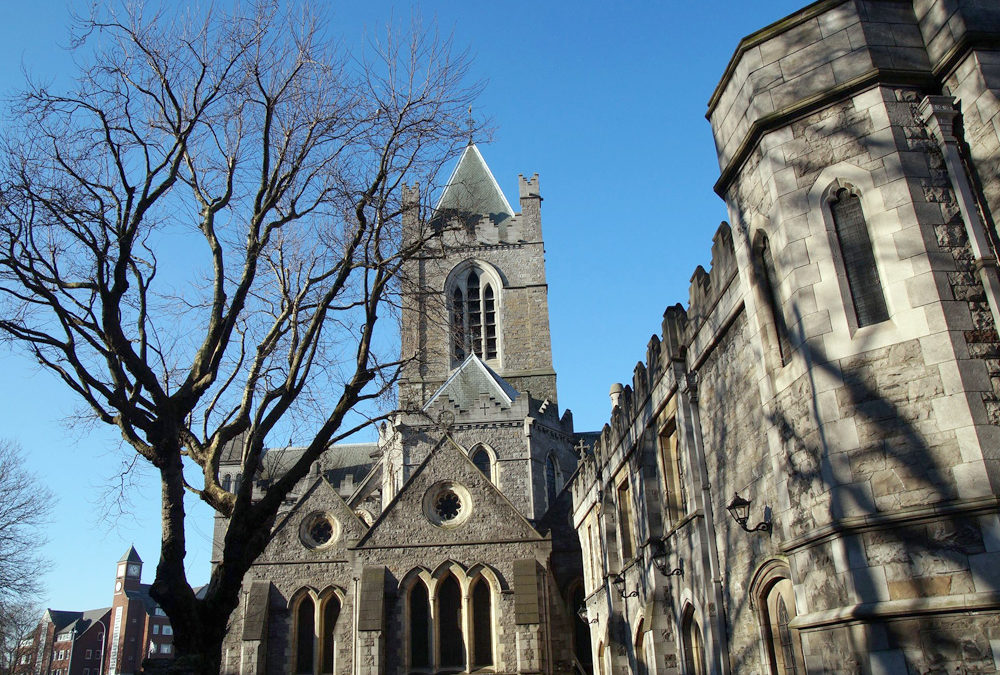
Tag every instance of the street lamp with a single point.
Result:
(619, 582)
(584, 615)
(739, 509)
(104, 638)
(659, 560)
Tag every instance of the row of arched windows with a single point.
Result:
(854, 256)
(448, 630)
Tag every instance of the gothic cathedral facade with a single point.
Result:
(444, 547)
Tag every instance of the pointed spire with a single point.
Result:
(131, 555)
(472, 189)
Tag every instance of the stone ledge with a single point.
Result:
(763, 35)
(889, 77)
(890, 609)
(878, 521)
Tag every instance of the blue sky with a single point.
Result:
(604, 100)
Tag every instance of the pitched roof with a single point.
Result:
(61, 618)
(473, 189)
(335, 463)
(472, 379)
(131, 555)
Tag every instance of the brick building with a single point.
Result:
(111, 640)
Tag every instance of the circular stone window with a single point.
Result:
(319, 530)
(447, 504)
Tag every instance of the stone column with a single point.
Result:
(938, 113)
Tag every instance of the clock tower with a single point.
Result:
(128, 572)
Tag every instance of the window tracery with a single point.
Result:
(314, 633)
(457, 635)
(474, 316)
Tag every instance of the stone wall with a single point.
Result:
(867, 450)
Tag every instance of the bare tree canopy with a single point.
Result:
(25, 505)
(17, 621)
(199, 238)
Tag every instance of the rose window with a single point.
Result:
(448, 506)
(321, 531)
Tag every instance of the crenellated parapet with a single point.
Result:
(679, 329)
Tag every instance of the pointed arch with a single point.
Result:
(445, 568)
(553, 478)
(450, 643)
(418, 621)
(304, 632)
(474, 290)
(482, 642)
(485, 460)
(331, 602)
(693, 643)
(773, 598)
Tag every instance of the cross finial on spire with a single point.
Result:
(471, 125)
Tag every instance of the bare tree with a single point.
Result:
(200, 238)
(25, 505)
(17, 621)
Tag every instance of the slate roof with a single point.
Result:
(61, 618)
(131, 555)
(335, 464)
(472, 379)
(86, 620)
(473, 189)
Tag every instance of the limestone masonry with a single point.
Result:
(802, 474)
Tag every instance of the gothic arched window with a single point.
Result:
(450, 642)
(858, 257)
(448, 631)
(420, 614)
(474, 316)
(778, 609)
(305, 631)
(482, 624)
(769, 289)
(551, 479)
(481, 458)
(328, 635)
(694, 649)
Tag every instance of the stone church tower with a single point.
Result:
(446, 546)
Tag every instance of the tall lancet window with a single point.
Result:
(859, 259)
(474, 317)
(305, 627)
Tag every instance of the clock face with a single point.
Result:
(133, 570)
(118, 585)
